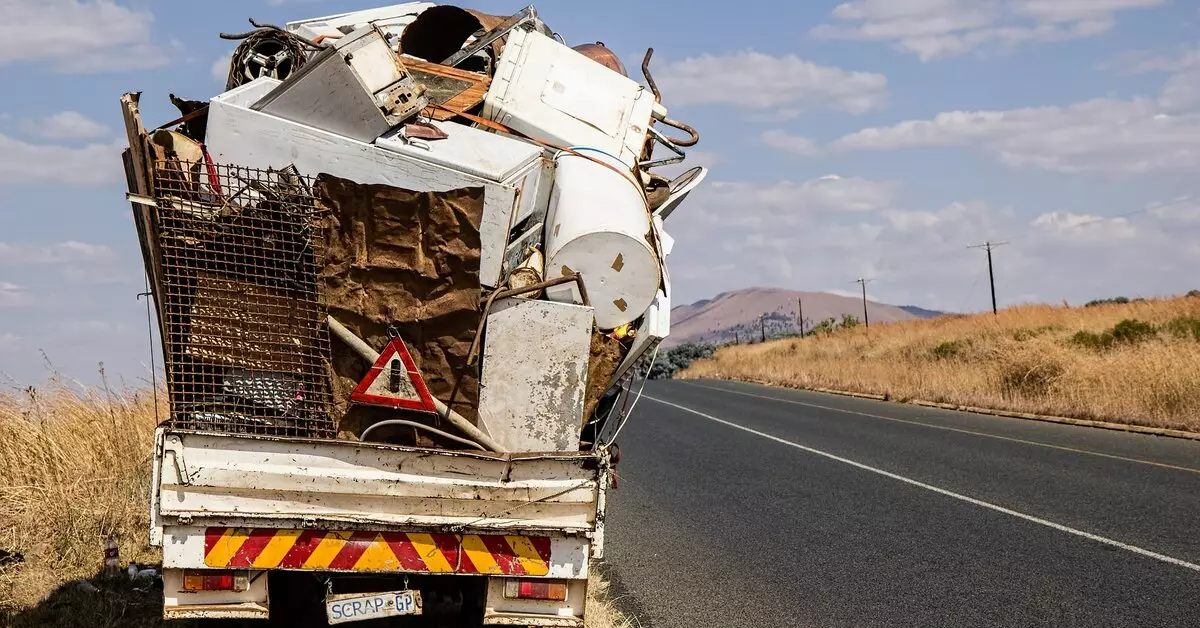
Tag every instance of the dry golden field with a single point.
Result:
(74, 469)
(1136, 363)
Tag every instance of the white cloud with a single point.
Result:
(1141, 62)
(69, 252)
(12, 295)
(65, 125)
(739, 233)
(1102, 136)
(753, 80)
(9, 340)
(220, 68)
(79, 36)
(789, 143)
(787, 203)
(936, 29)
(26, 163)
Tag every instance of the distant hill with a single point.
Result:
(736, 315)
(921, 312)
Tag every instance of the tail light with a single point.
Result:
(535, 590)
(197, 580)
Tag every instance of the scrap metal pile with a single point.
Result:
(416, 224)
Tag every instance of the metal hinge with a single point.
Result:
(174, 446)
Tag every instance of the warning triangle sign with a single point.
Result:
(394, 382)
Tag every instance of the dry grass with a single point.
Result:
(74, 469)
(1026, 359)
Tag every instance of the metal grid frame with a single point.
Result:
(245, 337)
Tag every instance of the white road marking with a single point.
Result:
(941, 491)
(948, 429)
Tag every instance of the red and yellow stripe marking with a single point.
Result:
(333, 550)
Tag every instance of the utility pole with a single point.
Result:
(863, 283)
(737, 337)
(762, 323)
(800, 305)
(988, 246)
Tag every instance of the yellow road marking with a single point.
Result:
(528, 555)
(225, 548)
(953, 429)
(327, 550)
(479, 554)
(378, 557)
(429, 552)
(276, 548)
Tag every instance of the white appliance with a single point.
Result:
(390, 19)
(553, 93)
(598, 225)
(534, 377)
(358, 88)
(514, 174)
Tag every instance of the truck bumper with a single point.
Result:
(376, 551)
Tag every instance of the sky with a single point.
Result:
(871, 138)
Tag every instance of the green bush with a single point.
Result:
(949, 350)
(1095, 342)
(1127, 332)
(670, 362)
(1193, 293)
(1112, 301)
(1132, 331)
(849, 321)
(1184, 327)
(825, 327)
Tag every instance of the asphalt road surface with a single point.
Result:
(749, 506)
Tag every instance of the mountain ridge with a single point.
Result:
(739, 315)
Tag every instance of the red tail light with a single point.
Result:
(535, 590)
(196, 580)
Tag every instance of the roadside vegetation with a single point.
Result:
(75, 470)
(1122, 360)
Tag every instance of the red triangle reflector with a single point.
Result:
(394, 382)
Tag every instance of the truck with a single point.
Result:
(408, 269)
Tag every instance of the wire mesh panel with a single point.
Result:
(246, 342)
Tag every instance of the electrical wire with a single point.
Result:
(421, 426)
(629, 413)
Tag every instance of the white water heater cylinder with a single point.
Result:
(598, 225)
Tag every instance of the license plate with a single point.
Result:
(350, 607)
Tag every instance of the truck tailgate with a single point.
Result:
(219, 479)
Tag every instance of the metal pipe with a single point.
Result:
(370, 355)
(576, 277)
(649, 78)
(422, 426)
(694, 135)
(691, 141)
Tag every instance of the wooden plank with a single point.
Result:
(452, 90)
(139, 174)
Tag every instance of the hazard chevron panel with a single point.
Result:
(334, 550)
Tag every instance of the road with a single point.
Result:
(749, 506)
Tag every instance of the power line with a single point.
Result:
(1149, 208)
